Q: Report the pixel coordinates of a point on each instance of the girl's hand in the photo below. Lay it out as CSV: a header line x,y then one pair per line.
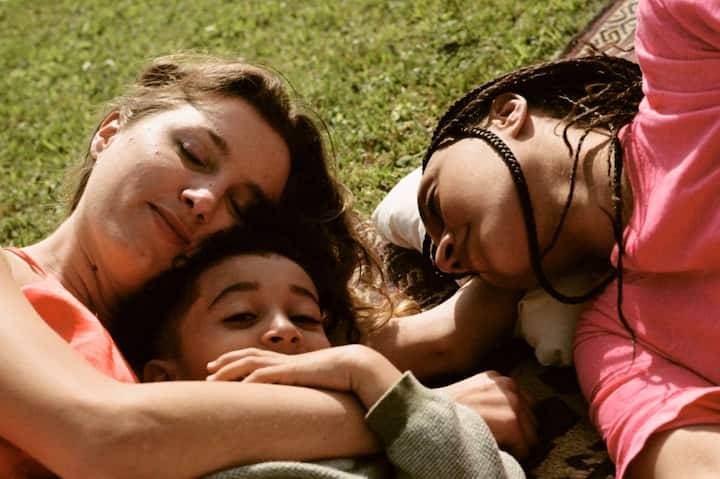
x,y
352,368
503,405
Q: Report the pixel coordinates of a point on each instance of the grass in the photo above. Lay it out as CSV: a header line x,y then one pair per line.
x,y
378,72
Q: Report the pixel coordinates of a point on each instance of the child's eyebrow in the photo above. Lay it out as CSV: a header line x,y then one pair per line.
x,y
304,292
241,286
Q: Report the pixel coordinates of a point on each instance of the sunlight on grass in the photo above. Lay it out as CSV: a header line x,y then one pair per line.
x,y
378,72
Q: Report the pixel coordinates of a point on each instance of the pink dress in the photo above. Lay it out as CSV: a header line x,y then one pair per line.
x,y
78,326
671,284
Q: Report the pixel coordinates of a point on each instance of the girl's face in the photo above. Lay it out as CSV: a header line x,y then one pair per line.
x,y
250,301
471,211
166,181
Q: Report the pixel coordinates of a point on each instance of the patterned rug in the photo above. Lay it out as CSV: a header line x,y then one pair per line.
x,y
611,32
570,447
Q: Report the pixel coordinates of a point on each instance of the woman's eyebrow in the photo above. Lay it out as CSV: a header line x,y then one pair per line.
x,y
240,286
217,140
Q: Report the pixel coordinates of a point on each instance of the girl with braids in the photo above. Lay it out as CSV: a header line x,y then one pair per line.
x,y
582,165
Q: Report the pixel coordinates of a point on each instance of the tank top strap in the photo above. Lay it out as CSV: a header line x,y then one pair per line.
x,y
25,257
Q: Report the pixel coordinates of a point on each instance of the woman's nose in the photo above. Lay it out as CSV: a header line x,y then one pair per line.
x,y
282,336
447,256
201,201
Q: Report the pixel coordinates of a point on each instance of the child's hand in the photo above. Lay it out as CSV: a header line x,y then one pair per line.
x,y
503,405
353,368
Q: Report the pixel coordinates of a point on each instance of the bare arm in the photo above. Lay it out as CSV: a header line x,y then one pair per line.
x,y
452,337
79,423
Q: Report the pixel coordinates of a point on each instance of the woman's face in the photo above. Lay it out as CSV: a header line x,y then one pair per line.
x,y
471,211
250,301
166,181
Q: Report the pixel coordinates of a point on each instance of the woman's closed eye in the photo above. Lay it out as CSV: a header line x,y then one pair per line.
x,y
186,151
249,203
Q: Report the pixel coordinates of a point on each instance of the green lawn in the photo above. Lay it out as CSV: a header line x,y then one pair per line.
x,y
378,72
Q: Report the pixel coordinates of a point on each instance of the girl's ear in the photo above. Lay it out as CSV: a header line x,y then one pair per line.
x,y
509,111
157,370
105,133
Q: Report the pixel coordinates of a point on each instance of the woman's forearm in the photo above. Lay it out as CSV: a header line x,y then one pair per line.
x,y
79,423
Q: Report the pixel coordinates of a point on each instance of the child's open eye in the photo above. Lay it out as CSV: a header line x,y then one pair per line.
x,y
306,320
241,319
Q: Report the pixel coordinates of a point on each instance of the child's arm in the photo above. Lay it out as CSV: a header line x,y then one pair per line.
x,y
369,375
353,368
427,435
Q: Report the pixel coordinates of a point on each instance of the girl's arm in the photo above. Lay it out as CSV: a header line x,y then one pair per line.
x,y
452,337
79,423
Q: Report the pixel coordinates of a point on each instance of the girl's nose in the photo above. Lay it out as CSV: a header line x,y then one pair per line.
x,y
447,256
282,336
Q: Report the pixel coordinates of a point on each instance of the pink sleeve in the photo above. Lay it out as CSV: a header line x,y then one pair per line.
x,y
678,48
673,144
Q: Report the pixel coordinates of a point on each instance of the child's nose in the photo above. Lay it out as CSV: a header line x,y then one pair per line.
x,y
282,336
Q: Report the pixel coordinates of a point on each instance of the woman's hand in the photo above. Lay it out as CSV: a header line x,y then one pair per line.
x,y
352,368
503,405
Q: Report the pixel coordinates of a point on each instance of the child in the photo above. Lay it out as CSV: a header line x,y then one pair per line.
x,y
259,308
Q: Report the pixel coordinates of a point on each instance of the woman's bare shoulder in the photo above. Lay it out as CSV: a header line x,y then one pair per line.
x,y
20,270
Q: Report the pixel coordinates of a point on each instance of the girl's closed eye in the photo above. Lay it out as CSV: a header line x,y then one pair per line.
x,y
434,221
434,206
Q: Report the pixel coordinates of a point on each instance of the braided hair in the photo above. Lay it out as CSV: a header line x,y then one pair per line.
x,y
593,92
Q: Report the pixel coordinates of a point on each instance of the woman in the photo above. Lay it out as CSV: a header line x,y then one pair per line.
x,y
187,153
566,167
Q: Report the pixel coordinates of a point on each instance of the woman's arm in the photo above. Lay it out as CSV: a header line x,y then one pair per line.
x,y
79,423
452,337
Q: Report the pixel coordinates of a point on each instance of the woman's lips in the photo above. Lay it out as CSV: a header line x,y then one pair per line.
x,y
170,222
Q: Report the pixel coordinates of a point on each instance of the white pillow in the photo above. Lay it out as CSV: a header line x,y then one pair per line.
x,y
548,325
397,218
545,323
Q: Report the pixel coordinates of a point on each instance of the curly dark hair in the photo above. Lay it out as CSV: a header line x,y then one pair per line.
x,y
597,92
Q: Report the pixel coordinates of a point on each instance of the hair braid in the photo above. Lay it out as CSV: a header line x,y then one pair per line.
x,y
594,92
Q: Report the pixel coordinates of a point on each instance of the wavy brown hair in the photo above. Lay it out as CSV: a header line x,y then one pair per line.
x,y
167,82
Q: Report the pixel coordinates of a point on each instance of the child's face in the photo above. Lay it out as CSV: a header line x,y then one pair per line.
x,y
266,302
